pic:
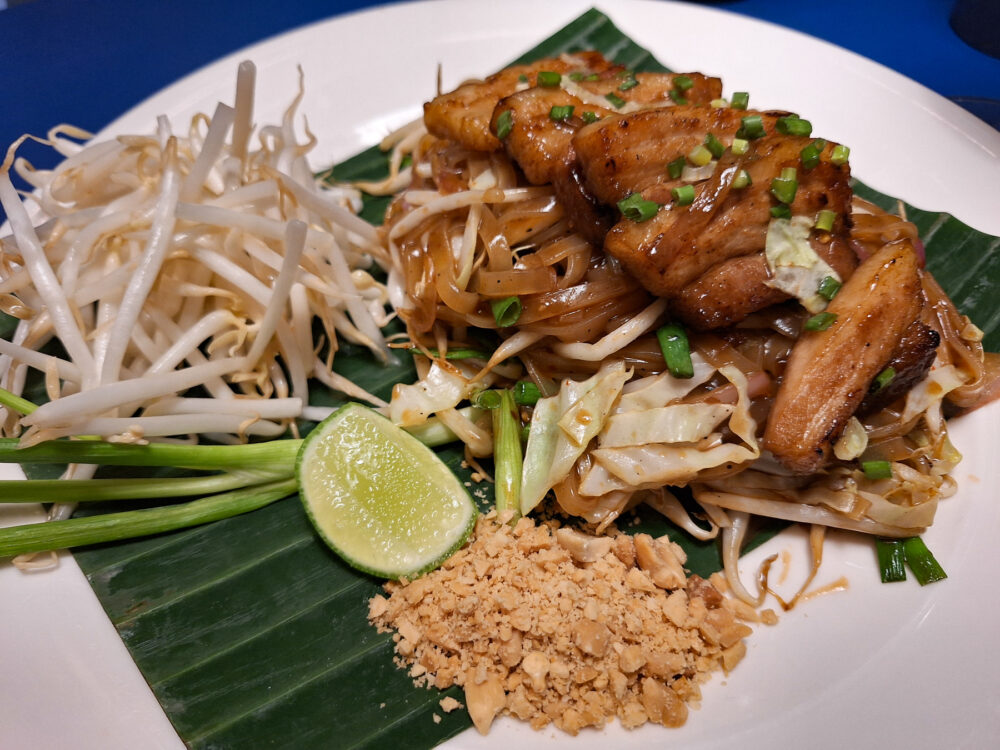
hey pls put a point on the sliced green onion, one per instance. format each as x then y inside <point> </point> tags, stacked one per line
<point>840,154</point>
<point>825,219</point>
<point>739,100</point>
<point>683,195</point>
<point>714,145</point>
<point>676,167</point>
<point>718,104</point>
<point>699,156</point>
<point>561,113</point>
<point>592,77</point>
<point>784,187</point>
<point>630,82</point>
<point>677,97</point>
<point>637,208</point>
<point>526,393</point>
<point>506,311</point>
<point>742,180</point>
<point>820,321</point>
<point>616,101</point>
<point>576,76</point>
<point>676,350</point>
<point>890,560</point>
<point>751,127</point>
<point>505,122</point>
<point>809,156</point>
<point>549,78</point>
<point>884,378</point>
<point>589,116</point>
<point>828,288</point>
<point>740,146</point>
<point>925,567</point>
<point>508,459</point>
<point>16,403</point>
<point>683,83</point>
<point>781,211</point>
<point>793,125</point>
<point>522,78</point>
<point>877,469</point>
<point>487,399</point>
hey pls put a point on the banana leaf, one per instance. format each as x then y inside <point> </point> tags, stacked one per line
<point>251,633</point>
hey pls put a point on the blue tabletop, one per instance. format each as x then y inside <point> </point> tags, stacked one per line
<point>87,62</point>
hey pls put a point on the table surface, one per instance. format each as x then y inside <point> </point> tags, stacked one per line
<point>85,63</point>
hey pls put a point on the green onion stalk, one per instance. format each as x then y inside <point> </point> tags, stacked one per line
<point>232,479</point>
<point>507,454</point>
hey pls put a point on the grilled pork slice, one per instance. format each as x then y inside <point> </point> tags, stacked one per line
<point>829,372</point>
<point>463,115</point>
<point>538,126</point>
<point>681,243</point>
<point>629,153</point>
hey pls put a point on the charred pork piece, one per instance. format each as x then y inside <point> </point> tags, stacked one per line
<point>829,371</point>
<point>536,127</point>
<point>680,243</point>
<point>629,153</point>
<point>910,363</point>
<point>463,115</point>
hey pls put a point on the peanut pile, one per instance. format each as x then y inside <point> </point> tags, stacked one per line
<point>550,625</point>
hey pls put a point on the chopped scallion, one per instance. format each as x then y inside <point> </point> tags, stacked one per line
<point>890,560</point>
<point>505,122</point>
<point>742,180</point>
<point>616,101</point>
<point>883,378</point>
<point>526,393</point>
<point>809,156</point>
<point>781,211</point>
<point>925,567</point>
<point>718,104</point>
<point>877,469</point>
<point>751,127</point>
<point>714,145</point>
<point>825,219</point>
<point>522,78</point>
<point>740,146</point>
<point>508,457</point>
<point>793,125</point>
<point>840,154</point>
<point>699,156</point>
<point>676,350</point>
<point>683,195</point>
<point>820,321</point>
<point>458,353</point>
<point>683,83</point>
<point>676,167</point>
<point>637,208</point>
<point>828,288</point>
<point>576,76</point>
<point>558,113</point>
<point>677,97</point>
<point>506,311</point>
<point>784,188</point>
<point>630,82</point>
<point>739,100</point>
<point>549,78</point>
<point>589,116</point>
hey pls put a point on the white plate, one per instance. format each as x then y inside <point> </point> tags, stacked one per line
<point>895,665</point>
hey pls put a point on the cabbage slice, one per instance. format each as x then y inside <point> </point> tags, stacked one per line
<point>795,267</point>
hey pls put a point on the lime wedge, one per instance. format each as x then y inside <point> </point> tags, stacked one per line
<point>380,498</point>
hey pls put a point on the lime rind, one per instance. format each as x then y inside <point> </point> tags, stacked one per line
<point>379,498</point>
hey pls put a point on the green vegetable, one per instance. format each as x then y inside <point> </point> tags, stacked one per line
<point>883,378</point>
<point>676,350</point>
<point>548,78</point>
<point>840,154</point>
<point>877,469</point>
<point>676,167</point>
<point>820,321</point>
<point>700,155</point>
<point>677,97</point>
<point>506,311</point>
<point>714,145</point>
<point>683,83</point>
<point>637,208</point>
<point>457,353</point>
<point>561,113</point>
<point>505,122</point>
<point>828,288</point>
<point>890,560</point>
<point>742,180</point>
<point>526,393</point>
<point>825,219</point>
<point>751,127</point>
<point>629,82</point>
<point>925,567</point>
<point>589,117</point>
<point>616,101</point>
<point>507,454</point>
<point>740,146</point>
<point>793,125</point>
<point>781,212</point>
<point>683,195</point>
<point>784,187</point>
<point>739,100</point>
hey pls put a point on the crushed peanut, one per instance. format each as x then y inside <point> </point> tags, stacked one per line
<point>535,622</point>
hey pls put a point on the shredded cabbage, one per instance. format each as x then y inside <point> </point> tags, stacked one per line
<point>795,267</point>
